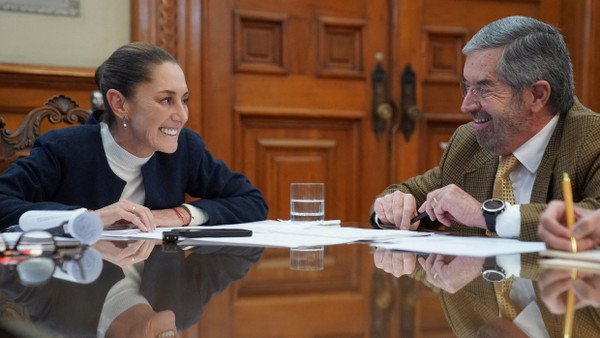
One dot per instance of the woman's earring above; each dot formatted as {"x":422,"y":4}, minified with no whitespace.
{"x":124,"y":121}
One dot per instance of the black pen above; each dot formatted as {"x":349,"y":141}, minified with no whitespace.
{"x":419,"y":217}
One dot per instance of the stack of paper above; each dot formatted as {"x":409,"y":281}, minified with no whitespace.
{"x":285,"y":234}
{"x":585,"y":260}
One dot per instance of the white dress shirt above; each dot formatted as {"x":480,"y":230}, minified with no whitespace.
{"x":508,"y":224}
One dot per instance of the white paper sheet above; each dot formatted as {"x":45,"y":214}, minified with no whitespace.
{"x":278,"y":234}
{"x":463,"y":246}
{"x":284,"y":234}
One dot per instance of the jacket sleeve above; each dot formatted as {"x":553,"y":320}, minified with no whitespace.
{"x":29,"y":184}
{"x":226,"y":196}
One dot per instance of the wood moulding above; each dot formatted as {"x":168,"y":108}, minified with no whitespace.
{"x":46,"y":77}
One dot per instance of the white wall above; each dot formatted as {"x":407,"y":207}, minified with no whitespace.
{"x":84,"y":41}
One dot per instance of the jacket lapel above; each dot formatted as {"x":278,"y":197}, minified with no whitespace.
{"x":543,"y":178}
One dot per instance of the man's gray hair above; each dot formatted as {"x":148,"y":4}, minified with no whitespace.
{"x":532,"y":51}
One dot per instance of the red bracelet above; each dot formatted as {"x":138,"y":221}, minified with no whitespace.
{"x":180,"y":217}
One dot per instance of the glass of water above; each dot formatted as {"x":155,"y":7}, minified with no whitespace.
{"x":307,"y":202}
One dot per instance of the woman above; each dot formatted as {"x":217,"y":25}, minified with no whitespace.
{"x":133,"y":162}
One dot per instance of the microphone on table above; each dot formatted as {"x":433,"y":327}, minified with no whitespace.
{"x":83,"y":268}
{"x":79,"y":224}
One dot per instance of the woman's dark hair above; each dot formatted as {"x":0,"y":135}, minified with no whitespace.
{"x":127,"y":68}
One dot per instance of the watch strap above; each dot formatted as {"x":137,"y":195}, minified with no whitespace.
{"x":490,"y":221}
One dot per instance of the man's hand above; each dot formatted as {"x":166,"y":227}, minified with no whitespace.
{"x":451,"y":203}
{"x":396,"y":209}
{"x":451,"y":273}
{"x":395,"y":262}
{"x":554,"y":232}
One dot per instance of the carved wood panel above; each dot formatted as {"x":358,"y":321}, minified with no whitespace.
{"x":260,"y":40}
{"x":340,"y":47}
{"x":295,"y":145}
{"x":443,"y":47}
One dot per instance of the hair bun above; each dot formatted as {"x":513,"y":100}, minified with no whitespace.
{"x":99,"y":73}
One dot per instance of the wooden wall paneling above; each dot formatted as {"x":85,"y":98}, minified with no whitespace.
{"x":24,"y":87}
{"x":583,"y":38}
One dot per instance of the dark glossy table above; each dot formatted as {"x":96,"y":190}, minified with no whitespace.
{"x":165,"y":290}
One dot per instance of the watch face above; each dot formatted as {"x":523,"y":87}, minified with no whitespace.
{"x":493,"y":276}
{"x":493,"y":204}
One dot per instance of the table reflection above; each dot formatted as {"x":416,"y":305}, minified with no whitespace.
{"x":469,"y":300}
{"x":161,"y":290}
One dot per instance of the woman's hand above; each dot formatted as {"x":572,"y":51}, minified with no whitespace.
{"x":127,"y":212}
{"x":131,"y":253}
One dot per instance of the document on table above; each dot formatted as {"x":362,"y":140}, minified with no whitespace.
{"x":271,"y":233}
{"x":585,"y":260}
{"x":463,"y":245}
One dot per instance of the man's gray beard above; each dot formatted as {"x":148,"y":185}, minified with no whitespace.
{"x":490,"y":144}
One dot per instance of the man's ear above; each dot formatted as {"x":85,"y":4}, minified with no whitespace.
{"x":116,"y":100}
{"x":540,"y":91}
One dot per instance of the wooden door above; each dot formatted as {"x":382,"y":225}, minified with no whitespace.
{"x":286,"y":97}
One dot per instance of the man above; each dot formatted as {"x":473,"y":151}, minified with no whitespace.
{"x":518,"y":88}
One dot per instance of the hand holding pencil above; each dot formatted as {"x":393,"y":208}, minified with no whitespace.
{"x":553,"y":229}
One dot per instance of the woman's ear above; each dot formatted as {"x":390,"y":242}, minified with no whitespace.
{"x":540,"y":91}
{"x":116,"y":100}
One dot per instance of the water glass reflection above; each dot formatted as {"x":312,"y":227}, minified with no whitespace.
{"x":308,"y":258}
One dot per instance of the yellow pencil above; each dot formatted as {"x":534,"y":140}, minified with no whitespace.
{"x":570,"y":215}
{"x":568,"y":197}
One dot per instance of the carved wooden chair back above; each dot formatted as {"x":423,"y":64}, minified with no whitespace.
{"x":17,"y":144}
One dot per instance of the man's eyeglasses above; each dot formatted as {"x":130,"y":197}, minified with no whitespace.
{"x":479,"y":92}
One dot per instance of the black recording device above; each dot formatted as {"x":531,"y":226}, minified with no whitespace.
{"x":173,"y":235}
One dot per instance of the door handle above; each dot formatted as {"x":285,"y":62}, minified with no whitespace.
{"x":381,"y":110}
{"x":410,"y":112}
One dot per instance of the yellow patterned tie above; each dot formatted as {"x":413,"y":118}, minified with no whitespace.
{"x":502,"y":187}
{"x":503,"y":190}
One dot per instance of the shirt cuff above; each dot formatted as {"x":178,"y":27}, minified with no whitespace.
{"x":376,"y":221}
{"x":199,"y":216}
{"x":511,"y":264}
{"x":508,"y":223}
